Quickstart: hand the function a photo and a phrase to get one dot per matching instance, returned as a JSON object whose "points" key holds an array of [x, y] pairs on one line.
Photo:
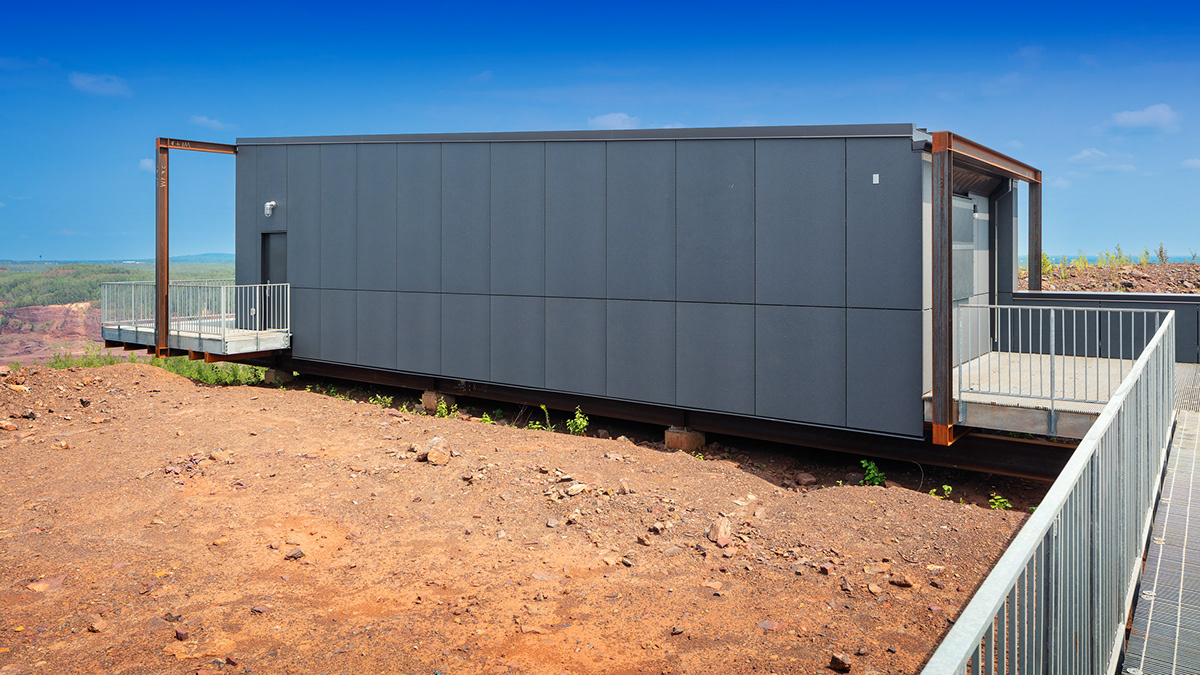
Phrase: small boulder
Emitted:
{"points": [[839, 662], [720, 529], [901, 581]]}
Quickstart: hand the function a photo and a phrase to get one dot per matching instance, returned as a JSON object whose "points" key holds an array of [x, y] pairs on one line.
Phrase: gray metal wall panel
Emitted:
{"points": [[575, 345], [576, 220], [377, 329], [800, 364], [641, 351], [246, 262], [304, 218], [714, 234], [466, 208], [800, 208], [339, 326], [466, 344], [883, 224], [306, 323], [883, 371], [271, 168], [714, 356], [419, 332], [518, 335], [641, 220], [518, 219], [419, 245], [339, 230], [376, 210]]}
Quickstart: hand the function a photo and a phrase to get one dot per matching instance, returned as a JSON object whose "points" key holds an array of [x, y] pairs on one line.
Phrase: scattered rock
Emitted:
{"points": [[877, 568], [437, 457], [614, 456], [719, 530], [221, 456], [261, 609], [182, 634], [875, 589], [643, 540], [936, 584], [7, 426], [627, 562], [846, 585], [900, 580], [296, 554], [624, 488], [826, 569], [862, 651], [839, 662], [853, 478], [602, 433], [658, 528], [769, 625], [220, 542], [526, 628], [552, 522], [577, 488], [723, 542], [97, 625], [171, 617], [676, 630]]}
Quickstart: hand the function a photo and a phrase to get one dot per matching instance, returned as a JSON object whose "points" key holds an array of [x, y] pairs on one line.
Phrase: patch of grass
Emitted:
{"points": [[381, 400], [225, 373], [946, 490]]}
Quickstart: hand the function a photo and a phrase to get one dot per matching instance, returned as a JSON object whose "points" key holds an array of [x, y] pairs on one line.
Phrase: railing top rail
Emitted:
{"points": [[1113, 310], [979, 613]]}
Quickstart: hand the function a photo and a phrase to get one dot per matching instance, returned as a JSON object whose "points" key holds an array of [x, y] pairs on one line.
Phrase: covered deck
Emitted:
{"points": [[210, 319], [1041, 370]]}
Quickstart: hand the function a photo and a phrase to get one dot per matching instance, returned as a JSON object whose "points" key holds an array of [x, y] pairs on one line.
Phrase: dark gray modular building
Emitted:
{"points": [[769, 273]]}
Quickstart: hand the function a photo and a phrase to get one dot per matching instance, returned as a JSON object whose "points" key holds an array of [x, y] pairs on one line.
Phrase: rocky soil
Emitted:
{"points": [[151, 524], [1152, 278]]}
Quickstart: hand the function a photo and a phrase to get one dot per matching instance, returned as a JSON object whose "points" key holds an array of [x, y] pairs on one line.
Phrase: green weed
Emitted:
{"points": [[487, 419], [579, 424], [871, 474], [946, 490], [381, 400], [999, 503]]}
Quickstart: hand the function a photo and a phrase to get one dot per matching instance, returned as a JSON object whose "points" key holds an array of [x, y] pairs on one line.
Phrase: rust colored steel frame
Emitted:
{"points": [[948, 150], [162, 271], [1005, 456]]}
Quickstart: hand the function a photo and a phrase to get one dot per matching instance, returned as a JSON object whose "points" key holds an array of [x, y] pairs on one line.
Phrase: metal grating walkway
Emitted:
{"points": [[1165, 636]]}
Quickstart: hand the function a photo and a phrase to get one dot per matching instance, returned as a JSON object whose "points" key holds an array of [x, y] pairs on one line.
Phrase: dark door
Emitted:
{"points": [[272, 311], [274, 258]]}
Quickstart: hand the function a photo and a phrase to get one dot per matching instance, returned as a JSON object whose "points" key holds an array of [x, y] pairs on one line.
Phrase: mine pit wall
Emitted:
{"points": [[761, 272]]}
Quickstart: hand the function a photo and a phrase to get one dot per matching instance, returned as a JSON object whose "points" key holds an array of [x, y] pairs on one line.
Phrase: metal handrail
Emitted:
{"points": [[1055, 354], [203, 308], [1058, 598]]}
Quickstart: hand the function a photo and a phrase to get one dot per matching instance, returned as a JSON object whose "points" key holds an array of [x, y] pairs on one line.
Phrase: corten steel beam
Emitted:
{"points": [[1035, 236], [162, 272], [162, 248], [943, 301], [198, 146], [1006, 456], [994, 162]]}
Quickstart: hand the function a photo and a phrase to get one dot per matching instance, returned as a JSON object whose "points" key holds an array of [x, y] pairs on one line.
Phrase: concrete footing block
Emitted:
{"points": [[682, 438], [273, 376], [429, 400]]}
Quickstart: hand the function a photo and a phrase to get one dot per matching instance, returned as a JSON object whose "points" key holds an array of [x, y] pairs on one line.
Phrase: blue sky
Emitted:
{"points": [[1105, 99]]}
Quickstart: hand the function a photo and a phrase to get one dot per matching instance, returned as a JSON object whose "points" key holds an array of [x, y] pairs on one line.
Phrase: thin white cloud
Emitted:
{"points": [[201, 120], [100, 85], [1015, 145], [68, 233], [12, 63], [1060, 182], [1158, 116], [1003, 85], [1088, 155], [2, 205], [146, 165], [1121, 168], [1191, 164], [617, 120], [673, 125], [482, 77]]}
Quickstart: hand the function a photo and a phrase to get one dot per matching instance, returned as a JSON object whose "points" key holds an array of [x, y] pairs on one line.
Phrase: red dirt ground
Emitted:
{"points": [[34, 334], [1151, 278], [117, 528]]}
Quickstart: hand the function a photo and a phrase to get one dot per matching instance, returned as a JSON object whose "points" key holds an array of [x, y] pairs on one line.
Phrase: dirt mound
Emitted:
{"points": [[34, 334], [150, 524], [1151, 278]]}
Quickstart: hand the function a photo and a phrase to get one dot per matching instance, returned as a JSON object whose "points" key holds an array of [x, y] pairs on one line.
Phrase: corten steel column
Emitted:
{"points": [[1035, 235], [161, 247], [943, 301]]}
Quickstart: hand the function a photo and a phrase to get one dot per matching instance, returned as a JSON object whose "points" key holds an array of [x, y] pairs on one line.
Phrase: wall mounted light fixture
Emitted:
{"points": [[268, 208]]}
